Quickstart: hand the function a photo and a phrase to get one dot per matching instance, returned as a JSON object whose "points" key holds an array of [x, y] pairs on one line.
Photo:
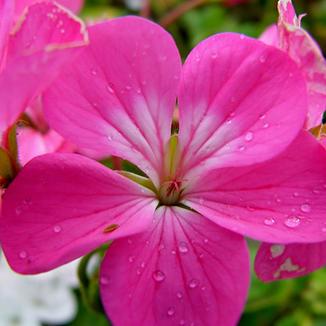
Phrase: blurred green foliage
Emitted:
{"points": [[299, 302]]}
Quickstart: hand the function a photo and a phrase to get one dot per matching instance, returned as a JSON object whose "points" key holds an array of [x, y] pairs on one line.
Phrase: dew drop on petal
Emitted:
{"points": [[292, 221], [205, 240], [262, 116], [104, 280], [306, 208], [171, 311], [262, 59], [131, 259], [193, 283], [57, 229], [214, 55], [18, 210], [158, 276], [183, 247], [269, 221], [266, 125], [242, 148], [182, 322], [93, 72], [249, 136], [23, 254], [179, 295], [242, 36], [323, 229], [129, 241], [110, 89], [295, 194]]}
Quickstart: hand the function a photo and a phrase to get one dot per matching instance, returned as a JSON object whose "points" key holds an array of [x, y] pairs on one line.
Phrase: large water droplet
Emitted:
{"points": [[158, 276], [193, 283], [292, 221], [23, 254], [183, 247], [57, 229], [249, 136], [306, 208], [269, 221], [171, 311]]}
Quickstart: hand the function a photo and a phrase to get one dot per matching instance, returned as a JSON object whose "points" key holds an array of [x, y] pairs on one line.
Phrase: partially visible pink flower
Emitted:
{"points": [[276, 261], [234, 165], [289, 36], [32, 52]]}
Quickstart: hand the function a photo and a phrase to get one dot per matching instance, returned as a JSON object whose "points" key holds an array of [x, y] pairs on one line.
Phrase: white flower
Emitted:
{"points": [[37, 299]]}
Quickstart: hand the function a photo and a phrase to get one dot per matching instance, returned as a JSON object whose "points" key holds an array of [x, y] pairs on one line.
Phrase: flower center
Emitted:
{"points": [[170, 192]]}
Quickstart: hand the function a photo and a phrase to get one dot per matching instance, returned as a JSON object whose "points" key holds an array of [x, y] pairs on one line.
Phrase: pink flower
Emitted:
{"points": [[276, 261], [32, 51], [234, 165], [300, 46]]}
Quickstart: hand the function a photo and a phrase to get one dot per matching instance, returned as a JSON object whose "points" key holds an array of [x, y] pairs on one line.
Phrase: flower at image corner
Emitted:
{"points": [[178, 255]]}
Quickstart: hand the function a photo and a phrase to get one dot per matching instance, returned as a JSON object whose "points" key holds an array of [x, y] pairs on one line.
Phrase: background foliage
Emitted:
{"points": [[284, 303]]}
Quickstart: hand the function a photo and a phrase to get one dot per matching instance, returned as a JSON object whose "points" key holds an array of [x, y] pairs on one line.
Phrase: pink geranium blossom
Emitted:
{"points": [[234, 164], [289, 36], [32, 51], [276, 261]]}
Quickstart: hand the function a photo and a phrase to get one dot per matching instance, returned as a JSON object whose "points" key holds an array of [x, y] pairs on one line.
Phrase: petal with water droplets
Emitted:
{"points": [[236, 103], [62, 206], [163, 285], [119, 97], [279, 200]]}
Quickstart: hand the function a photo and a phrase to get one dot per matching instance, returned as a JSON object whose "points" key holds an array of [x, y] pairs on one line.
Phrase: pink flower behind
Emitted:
{"points": [[233, 165], [289, 36], [43, 40]]}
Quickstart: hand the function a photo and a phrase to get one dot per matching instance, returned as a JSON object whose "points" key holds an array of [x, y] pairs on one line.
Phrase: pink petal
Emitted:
{"points": [[241, 102], [6, 19], [282, 200], [32, 143], [275, 261], [302, 48], [44, 40], [59, 206], [177, 273], [74, 5], [118, 98], [270, 36]]}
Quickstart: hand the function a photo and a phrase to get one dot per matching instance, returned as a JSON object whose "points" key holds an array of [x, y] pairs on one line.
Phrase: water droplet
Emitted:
{"points": [[205, 240], [23, 254], [57, 229], [93, 72], [131, 259], [62, 30], [128, 87], [193, 283], [203, 288], [262, 116], [197, 59], [138, 91], [183, 247], [158, 276], [316, 191], [182, 322], [18, 210], [242, 36], [278, 200], [266, 125], [242, 148], [292, 222], [110, 89], [104, 280], [323, 229], [249, 136], [306, 208], [142, 265], [171, 311], [129, 241], [110, 138], [214, 55], [295, 194], [179, 295], [173, 252], [269, 221], [262, 59]]}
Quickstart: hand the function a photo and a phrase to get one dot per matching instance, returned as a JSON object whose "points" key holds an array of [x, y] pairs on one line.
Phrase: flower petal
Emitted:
{"points": [[303, 49], [177, 273], [282, 200], [6, 20], [238, 101], [59, 207], [276, 261], [270, 36], [118, 98], [45, 39]]}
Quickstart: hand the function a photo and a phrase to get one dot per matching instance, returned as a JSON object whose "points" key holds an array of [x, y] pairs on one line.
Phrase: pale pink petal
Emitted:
{"points": [[59, 206], [238, 101], [74, 5], [270, 36], [119, 96], [32, 143], [302, 48], [277, 261], [45, 39], [6, 20], [184, 271], [282, 200]]}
